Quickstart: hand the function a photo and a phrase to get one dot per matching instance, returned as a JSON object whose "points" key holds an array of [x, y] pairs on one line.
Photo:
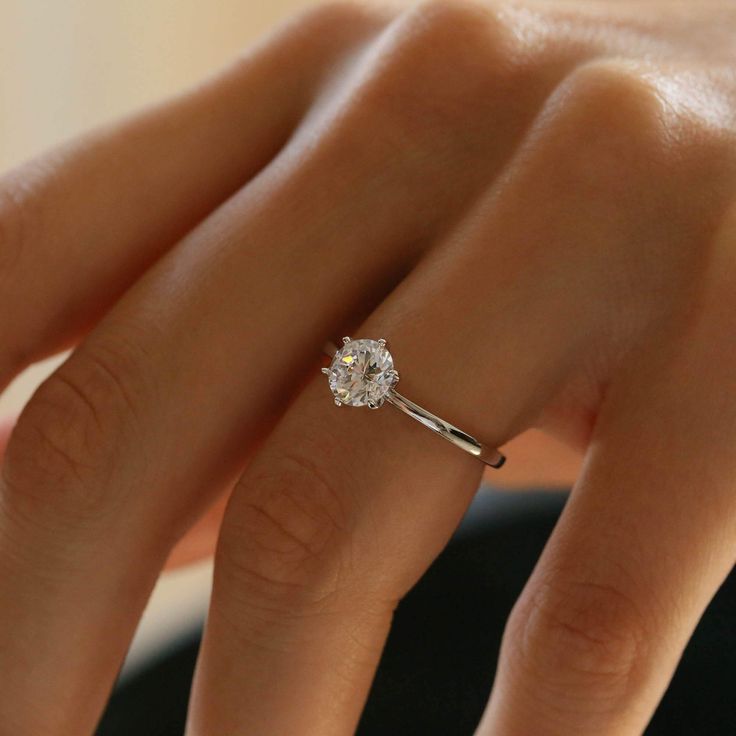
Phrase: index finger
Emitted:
{"points": [[79, 224]]}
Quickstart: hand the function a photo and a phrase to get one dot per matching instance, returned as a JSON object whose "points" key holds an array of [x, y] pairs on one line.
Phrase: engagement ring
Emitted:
{"points": [[362, 373]]}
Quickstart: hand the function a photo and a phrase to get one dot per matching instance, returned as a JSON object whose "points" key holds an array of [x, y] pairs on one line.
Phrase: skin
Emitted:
{"points": [[536, 196]]}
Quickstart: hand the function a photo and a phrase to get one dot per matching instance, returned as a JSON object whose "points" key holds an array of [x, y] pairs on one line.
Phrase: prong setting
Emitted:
{"points": [[361, 373]]}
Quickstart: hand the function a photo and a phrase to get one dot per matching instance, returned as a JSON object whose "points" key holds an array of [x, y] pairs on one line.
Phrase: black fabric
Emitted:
{"points": [[438, 665]]}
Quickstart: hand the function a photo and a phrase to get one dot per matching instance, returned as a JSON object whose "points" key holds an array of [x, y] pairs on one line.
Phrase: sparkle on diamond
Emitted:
{"points": [[362, 373]]}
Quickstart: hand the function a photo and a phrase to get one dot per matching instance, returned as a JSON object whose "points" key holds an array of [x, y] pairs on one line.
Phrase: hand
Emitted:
{"points": [[531, 202]]}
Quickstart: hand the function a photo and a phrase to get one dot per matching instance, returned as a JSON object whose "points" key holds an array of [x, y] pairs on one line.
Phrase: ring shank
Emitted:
{"points": [[488, 455]]}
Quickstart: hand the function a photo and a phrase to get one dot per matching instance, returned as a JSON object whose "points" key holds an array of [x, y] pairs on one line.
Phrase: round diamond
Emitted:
{"points": [[362, 373]]}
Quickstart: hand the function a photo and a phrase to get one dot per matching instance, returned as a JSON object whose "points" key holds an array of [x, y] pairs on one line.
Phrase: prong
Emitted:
{"points": [[394, 374], [375, 404], [338, 402], [382, 342], [326, 371], [345, 340]]}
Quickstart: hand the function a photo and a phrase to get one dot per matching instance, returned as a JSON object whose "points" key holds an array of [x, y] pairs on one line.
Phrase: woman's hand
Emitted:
{"points": [[532, 203]]}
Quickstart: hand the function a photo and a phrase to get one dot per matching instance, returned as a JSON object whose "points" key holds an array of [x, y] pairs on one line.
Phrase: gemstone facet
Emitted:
{"points": [[362, 373]]}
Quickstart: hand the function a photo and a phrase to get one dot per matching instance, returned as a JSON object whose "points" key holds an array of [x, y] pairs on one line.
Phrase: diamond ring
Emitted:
{"points": [[362, 373]]}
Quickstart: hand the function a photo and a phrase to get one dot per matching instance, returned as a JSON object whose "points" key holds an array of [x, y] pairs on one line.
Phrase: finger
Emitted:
{"points": [[646, 539], [123, 447], [199, 541], [340, 512], [78, 225], [323, 535]]}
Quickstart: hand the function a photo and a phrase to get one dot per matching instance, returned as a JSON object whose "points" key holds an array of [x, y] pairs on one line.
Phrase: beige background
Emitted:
{"points": [[67, 64]]}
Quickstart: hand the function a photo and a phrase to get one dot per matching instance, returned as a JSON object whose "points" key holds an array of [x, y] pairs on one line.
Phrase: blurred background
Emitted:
{"points": [[68, 64]]}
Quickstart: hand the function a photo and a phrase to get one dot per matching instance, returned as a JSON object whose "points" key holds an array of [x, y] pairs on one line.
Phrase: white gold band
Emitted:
{"points": [[375, 384]]}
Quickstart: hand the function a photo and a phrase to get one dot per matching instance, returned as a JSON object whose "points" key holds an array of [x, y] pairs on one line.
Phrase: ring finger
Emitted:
{"points": [[339, 514]]}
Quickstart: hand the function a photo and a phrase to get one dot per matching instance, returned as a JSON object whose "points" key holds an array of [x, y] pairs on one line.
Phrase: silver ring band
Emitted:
{"points": [[381, 383]]}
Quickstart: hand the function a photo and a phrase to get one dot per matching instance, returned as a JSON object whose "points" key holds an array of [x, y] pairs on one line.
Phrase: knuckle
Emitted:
{"points": [[284, 539], [325, 28], [621, 118], [447, 16], [453, 41], [603, 86], [625, 135], [433, 58], [578, 636], [62, 452], [333, 15]]}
